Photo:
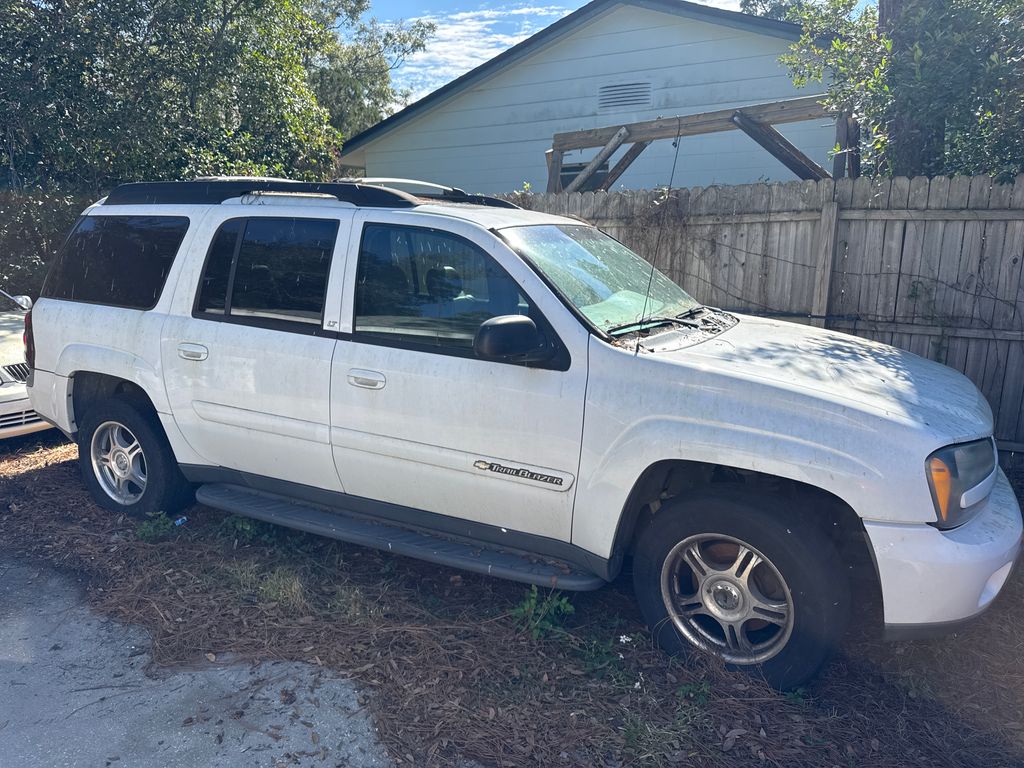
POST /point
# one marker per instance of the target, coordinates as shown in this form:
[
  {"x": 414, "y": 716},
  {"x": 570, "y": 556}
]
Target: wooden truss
[{"x": 755, "y": 120}]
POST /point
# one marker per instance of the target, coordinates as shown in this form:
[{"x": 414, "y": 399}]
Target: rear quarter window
[{"x": 121, "y": 261}]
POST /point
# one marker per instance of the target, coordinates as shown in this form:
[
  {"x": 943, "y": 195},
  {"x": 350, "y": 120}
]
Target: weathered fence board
[{"x": 929, "y": 265}]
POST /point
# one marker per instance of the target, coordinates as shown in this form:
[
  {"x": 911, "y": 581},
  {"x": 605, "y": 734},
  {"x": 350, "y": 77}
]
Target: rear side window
[
  {"x": 121, "y": 261},
  {"x": 268, "y": 269}
]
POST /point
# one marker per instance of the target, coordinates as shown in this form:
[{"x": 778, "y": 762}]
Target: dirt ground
[{"x": 465, "y": 667}]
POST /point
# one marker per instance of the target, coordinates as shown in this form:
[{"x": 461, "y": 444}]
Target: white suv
[{"x": 449, "y": 377}]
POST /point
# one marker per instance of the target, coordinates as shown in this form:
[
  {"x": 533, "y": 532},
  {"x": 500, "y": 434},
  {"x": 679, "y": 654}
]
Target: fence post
[{"x": 825, "y": 247}]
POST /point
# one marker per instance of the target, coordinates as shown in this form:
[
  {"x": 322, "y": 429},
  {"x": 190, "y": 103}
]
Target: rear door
[
  {"x": 416, "y": 419},
  {"x": 247, "y": 361}
]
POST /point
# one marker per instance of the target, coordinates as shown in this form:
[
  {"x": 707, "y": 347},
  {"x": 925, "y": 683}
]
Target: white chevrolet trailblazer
[{"x": 449, "y": 377}]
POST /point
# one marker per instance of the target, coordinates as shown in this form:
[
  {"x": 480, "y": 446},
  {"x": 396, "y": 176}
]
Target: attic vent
[{"x": 612, "y": 97}]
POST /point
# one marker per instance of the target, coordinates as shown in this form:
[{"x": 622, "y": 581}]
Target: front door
[
  {"x": 247, "y": 363},
  {"x": 416, "y": 419}
]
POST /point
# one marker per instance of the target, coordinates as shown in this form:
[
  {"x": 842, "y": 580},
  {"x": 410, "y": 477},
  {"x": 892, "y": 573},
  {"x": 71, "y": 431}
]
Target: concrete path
[{"x": 73, "y": 693}]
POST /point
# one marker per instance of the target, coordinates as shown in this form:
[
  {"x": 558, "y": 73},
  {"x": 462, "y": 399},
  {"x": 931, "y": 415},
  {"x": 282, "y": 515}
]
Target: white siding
[{"x": 492, "y": 137}]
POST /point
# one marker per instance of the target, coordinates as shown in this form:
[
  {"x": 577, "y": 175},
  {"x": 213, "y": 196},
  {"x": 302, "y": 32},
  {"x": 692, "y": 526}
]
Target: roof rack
[
  {"x": 217, "y": 190},
  {"x": 445, "y": 193}
]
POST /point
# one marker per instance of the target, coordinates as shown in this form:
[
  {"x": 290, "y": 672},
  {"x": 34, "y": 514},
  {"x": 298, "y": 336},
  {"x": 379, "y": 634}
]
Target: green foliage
[
  {"x": 783, "y": 10},
  {"x": 540, "y": 616},
  {"x": 353, "y": 82},
  {"x": 249, "y": 531},
  {"x": 32, "y": 227},
  {"x": 93, "y": 92},
  {"x": 158, "y": 526},
  {"x": 937, "y": 85},
  {"x": 697, "y": 694}
]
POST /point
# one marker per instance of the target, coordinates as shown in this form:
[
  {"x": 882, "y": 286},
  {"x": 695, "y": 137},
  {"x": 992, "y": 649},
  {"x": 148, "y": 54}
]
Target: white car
[
  {"x": 16, "y": 414},
  {"x": 518, "y": 394}
]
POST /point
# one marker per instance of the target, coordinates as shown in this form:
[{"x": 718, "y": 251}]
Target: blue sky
[{"x": 469, "y": 33}]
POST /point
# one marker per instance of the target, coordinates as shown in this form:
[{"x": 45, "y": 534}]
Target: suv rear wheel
[
  {"x": 127, "y": 463},
  {"x": 742, "y": 578}
]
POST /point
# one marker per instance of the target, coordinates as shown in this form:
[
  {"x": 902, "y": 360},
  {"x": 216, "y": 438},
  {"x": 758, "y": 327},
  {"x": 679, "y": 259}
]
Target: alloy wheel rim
[
  {"x": 725, "y": 597},
  {"x": 118, "y": 462}
]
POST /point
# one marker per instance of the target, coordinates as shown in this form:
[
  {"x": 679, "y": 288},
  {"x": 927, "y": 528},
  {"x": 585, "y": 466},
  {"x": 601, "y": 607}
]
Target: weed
[
  {"x": 796, "y": 696},
  {"x": 349, "y": 604},
  {"x": 540, "y": 616},
  {"x": 244, "y": 575},
  {"x": 158, "y": 526},
  {"x": 695, "y": 693},
  {"x": 283, "y": 587},
  {"x": 248, "y": 530}
]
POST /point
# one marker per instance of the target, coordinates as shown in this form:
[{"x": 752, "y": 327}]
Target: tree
[
  {"x": 938, "y": 85},
  {"x": 783, "y": 10},
  {"x": 94, "y": 92},
  {"x": 354, "y": 82}
]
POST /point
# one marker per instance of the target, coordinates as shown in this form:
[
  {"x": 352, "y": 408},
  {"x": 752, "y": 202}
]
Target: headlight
[{"x": 961, "y": 477}]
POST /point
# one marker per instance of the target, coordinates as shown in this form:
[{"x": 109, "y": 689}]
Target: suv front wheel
[
  {"x": 127, "y": 463},
  {"x": 743, "y": 578}
]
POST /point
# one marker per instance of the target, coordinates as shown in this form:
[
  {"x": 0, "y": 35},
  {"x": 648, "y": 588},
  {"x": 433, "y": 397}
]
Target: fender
[
  {"x": 697, "y": 414},
  {"x": 120, "y": 364}
]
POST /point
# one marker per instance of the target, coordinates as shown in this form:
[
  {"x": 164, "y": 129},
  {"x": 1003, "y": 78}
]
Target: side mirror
[
  {"x": 512, "y": 338},
  {"x": 24, "y": 301}
]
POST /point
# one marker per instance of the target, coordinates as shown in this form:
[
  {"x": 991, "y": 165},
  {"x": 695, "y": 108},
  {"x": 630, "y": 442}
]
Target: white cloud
[{"x": 466, "y": 39}]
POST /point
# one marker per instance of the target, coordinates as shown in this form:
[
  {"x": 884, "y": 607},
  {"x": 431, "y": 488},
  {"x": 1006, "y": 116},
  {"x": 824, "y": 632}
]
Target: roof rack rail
[
  {"x": 217, "y": 190},
  {"x": 446, "y": 193}
]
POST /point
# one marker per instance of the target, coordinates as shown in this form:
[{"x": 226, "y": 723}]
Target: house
[{"x": 609, "y": 63}]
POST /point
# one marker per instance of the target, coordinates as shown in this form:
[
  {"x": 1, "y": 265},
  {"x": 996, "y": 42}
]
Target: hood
[
  {"x": 12, "y": 348},
  {"x": 848, "y": 370}
]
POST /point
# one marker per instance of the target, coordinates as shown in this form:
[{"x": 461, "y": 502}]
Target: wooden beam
[
  {"x": 624, "y": 162},
  {"x": 779, "y": 147},
  {"x": 825, "y": 248},
  {"x": 554, "y": 160},
  {"x": 776, "y": 112},
  {"x": 607, "y": 151}
]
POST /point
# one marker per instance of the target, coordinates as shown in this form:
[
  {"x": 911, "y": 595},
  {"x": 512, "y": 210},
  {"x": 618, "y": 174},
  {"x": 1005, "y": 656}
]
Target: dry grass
[{"x": 454, "y": 673}]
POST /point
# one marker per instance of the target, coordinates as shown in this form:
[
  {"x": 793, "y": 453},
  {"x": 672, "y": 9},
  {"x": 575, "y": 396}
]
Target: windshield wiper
[
  {"x": 656, "y": 320},
  {"x": 692, "y": 312}
]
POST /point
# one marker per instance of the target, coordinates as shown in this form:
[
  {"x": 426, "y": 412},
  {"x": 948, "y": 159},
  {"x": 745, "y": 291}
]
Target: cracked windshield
[{"x": 603, "y": 279}]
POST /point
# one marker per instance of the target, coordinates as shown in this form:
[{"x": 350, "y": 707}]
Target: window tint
[
  {"x": 278, "y": 271},
  {"x": 118, "y": 260},
  {"x": 213, "y": 288},
  {"x": 429, "y": 287}
]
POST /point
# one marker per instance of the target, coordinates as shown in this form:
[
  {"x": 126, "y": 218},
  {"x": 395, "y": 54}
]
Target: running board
[{"x": 340, "y": 524}]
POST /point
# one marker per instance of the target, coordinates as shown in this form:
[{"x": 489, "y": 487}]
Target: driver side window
[{"x": 428, "y": 287}]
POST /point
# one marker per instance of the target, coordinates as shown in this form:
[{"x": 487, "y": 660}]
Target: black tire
[
  {"x": 799, "y": 642},
  {"x": 165, "y": 490}
]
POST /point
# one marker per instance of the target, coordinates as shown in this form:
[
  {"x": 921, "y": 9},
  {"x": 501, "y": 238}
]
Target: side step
[{"x": 339, "y": 524}]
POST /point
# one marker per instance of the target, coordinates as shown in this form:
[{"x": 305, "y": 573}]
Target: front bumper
[
  {"x": 933, "y": 580},
  {"x": 16, "y": 414}
]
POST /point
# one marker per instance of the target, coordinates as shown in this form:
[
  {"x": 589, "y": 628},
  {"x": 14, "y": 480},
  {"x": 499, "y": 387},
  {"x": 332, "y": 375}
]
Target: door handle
[
  {"x": 366, "y": 379},
  {"x": 187, "y": 351}
]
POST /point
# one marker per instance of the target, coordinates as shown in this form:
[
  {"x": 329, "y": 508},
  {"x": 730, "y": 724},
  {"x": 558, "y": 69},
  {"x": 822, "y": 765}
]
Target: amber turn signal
[{"x": 942, "y": 484}]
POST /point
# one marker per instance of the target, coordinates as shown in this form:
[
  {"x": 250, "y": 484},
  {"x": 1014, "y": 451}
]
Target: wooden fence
[{"x": 929, "y": 265}]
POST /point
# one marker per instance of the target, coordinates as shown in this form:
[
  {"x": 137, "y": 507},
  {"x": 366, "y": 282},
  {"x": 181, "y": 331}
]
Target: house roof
[{"x": 744, "y": 21}]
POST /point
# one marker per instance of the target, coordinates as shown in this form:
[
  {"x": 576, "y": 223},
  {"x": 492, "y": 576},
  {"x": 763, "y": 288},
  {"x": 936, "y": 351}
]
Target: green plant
[
  {"x": 796, "y": 696},
  {"x": 540, "y": 616},
  {"x": 696, "y": 694},
  {"x": 158, "y": 526},
  {"x": 285, "y": 588},
  {"x": 248, "y": 530}
]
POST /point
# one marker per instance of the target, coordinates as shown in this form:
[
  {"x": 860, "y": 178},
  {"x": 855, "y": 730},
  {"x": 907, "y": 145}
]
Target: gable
[{"x": 569, "y": 31}]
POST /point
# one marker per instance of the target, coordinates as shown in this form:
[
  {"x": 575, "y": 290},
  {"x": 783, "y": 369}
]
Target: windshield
[{"x": 604, "y": 280}]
